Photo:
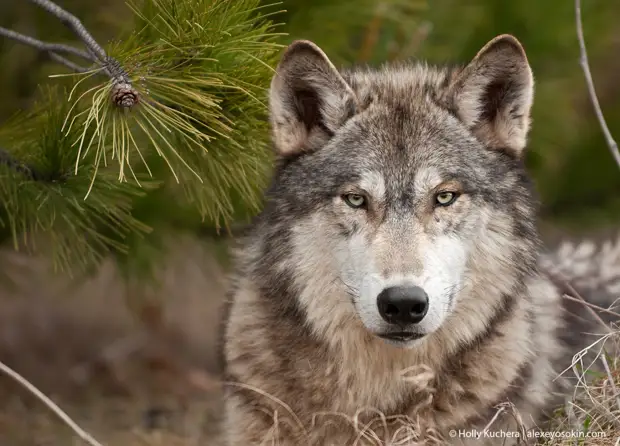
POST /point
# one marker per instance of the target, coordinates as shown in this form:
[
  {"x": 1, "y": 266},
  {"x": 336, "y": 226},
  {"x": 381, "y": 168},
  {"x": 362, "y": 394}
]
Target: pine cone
[{"x": 124, "y": 95}]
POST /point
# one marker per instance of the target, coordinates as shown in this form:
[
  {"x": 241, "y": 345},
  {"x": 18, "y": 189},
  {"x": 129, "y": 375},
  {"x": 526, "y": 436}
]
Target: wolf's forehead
[
  {"x": 405, "y": 81},
  {"x": 381, "y": 183},
  {"x": 407, "y": 145},
  {"x": 407, "y": 152}
]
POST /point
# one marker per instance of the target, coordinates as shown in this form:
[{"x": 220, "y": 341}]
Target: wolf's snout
[{"x": 403, "y": 305}]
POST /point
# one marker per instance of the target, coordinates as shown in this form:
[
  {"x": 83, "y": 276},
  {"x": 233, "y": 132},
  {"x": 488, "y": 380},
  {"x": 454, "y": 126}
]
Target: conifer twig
[
  {"x": 53, "y": 49},
  {"x": 583, "y": 60},
  {"x": 74, "y": 23},
  {"x": 6, "y": 159},
  {"x": 49, "y": 403},
  {"x": 123, "y": 94},
  {"x": 110, "y": 65},
  {"x": 64, "y": 61}
]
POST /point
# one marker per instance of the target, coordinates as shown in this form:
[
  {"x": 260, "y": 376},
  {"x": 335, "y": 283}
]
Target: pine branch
[
  {"x": 613, "y": 146},
  {"x": 74, "y": 23},
  {"x": 6, "y": 159},
  {"x": 48, "y": 201},
  {"x": 53, "y": 49},
  {"x": 122, "y": 92},
  {"x": 198, "y": 72},
  {"x": 64, "y": 61}
]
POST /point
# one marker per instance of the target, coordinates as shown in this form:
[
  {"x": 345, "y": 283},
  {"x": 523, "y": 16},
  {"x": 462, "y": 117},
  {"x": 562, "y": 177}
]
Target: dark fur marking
[{"x": 344, "y": 230}]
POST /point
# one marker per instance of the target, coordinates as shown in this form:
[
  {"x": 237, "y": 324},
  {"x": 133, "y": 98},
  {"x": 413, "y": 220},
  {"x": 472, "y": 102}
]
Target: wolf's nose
[{"x": 403, "y": 304}]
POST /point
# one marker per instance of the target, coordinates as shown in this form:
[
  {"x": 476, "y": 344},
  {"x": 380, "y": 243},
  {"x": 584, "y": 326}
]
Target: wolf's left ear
[
  {"x": 493, "y": 94},
  {"x": 308, "y": 100}
]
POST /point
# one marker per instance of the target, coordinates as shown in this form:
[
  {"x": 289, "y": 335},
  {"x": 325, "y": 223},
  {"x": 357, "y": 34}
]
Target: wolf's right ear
[{"x": 308, "y": 100}]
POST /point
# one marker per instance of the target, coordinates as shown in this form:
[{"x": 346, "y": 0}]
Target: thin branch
[
  {"x": 123, "y": 93},
  {"x": 110, "y": 65},
  {"x": 64, "y": 61},
  {"x": 498, "y": 412},
  {"x": 613, "y": 146},
  {"x": 49, "y": 403},
  {"x": 588, "y": 304},
  {"x": 579, "y": 298},
  {"x": 74, "y": 23},
  {"x": 52, "y": 49},
  {"x": 43, "y": 46}
]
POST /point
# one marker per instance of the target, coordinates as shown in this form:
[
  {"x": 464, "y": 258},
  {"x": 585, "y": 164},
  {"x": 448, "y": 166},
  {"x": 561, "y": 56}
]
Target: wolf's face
[{"x": 400, "y": 186}]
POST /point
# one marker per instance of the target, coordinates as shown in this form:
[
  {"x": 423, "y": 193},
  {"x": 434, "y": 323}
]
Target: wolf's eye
[
  {"x": 445, "y": 198},
  {"x": 354, "y": 200}
]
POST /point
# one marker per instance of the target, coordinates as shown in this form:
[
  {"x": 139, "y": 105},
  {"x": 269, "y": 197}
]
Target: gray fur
[{"x": 303, "y": 330}]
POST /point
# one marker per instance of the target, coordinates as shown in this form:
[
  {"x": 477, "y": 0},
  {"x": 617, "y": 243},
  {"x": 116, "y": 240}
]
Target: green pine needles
[
  {"x": 168, "y": 121},
  {"x": 42, "y": 197}
]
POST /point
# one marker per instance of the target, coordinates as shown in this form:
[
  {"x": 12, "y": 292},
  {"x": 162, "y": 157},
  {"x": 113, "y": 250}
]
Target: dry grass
[
  {"x": 129, "y": 386},
  {"x": 595, "y": 404}
]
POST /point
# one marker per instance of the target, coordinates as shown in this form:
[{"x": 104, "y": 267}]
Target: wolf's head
[{"x": 400, "y": 198}]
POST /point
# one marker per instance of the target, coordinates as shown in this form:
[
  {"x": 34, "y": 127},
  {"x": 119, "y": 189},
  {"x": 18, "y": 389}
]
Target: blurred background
[{"x": 83, "y": 343}]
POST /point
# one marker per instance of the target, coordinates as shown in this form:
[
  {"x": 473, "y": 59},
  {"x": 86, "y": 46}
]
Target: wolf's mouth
[{"x": 402, "y": 336}]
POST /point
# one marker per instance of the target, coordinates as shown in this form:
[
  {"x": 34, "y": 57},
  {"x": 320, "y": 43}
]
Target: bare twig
[
  {"x": 588, "y": 304},
  {"x": 613, "y": 146},
  {"x": 74, "y": 23},
  {"x": 49, "y": 403},
  {"x": 64, "y": 61},
  {"x": 498, "y": 412},
  {"x": 123, "y": 95},
  {"x": 109, "y": 64},
  {"x": 52, "y": 49},
  {"x": 43, "y": 46}
]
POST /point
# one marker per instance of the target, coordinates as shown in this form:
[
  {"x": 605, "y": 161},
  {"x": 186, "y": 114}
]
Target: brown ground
[{"x": 156, "y": 387}]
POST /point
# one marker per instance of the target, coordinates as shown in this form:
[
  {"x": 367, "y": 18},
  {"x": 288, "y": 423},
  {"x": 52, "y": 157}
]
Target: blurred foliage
[{"x": 575, "y": 173}]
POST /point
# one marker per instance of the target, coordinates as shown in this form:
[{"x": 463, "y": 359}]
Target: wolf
[{"x": 394, "y": 289}]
